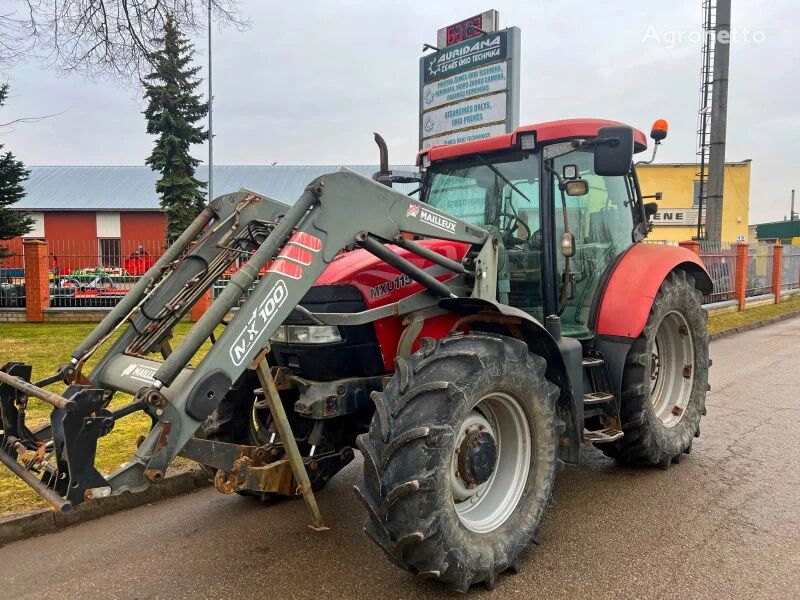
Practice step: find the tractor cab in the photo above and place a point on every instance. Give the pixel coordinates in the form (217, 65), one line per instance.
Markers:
(563, 199)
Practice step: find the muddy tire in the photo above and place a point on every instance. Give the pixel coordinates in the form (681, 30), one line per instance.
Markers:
(666, 378)
(461, 518)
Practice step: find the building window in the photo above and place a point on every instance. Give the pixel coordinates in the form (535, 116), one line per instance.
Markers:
(696, 194)
(109, 252)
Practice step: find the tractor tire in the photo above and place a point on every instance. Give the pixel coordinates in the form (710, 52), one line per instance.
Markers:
(665, 380)
(459, 393)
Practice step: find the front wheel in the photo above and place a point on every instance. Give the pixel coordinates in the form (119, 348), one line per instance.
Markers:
(665, 379)
(460, 459)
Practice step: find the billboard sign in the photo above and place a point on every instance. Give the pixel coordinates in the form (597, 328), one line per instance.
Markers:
(492, 78)
(470, 90)
(466, 55)
(478, 111)
(676, 216)
(467, 135)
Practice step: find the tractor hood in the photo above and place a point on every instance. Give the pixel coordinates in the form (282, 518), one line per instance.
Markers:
(380, 283)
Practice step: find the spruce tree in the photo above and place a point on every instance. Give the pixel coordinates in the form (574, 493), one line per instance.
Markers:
(172, 113)
(12, 175)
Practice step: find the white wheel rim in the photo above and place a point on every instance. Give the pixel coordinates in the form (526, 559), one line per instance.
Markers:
(485, 507)
(672, 369)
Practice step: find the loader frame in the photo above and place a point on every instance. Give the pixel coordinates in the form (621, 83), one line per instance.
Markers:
(285, 249)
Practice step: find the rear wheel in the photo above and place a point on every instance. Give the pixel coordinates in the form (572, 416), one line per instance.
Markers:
(666, 378)
(460, 459)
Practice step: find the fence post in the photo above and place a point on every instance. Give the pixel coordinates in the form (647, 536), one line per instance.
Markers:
(777, 270)
(692, 245)
(740, 285)
(200, 307)
(37, 284)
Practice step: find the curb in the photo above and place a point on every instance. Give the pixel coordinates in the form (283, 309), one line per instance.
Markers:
(757, 325)
(44, 521)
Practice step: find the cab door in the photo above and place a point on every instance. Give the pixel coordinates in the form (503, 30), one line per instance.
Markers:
(602, 222)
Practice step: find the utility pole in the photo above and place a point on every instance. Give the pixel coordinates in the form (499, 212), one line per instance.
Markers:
(792, 214)
(210, 116)
(719, 118)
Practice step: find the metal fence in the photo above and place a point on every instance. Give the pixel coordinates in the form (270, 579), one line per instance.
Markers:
(97, 273)
(790, 275)
(759, 269)
(720, 261)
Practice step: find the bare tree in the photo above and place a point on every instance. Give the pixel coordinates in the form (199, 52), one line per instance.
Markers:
(100, 38)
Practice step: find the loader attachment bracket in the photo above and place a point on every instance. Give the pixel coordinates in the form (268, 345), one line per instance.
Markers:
(60, 469)
(75, 434)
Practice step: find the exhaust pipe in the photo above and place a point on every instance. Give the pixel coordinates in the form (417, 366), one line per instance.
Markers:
(384, 175)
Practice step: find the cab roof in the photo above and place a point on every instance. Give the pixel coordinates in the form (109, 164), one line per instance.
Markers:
(549, 131)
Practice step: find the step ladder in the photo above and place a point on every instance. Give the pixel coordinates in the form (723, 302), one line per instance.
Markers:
(600, 403)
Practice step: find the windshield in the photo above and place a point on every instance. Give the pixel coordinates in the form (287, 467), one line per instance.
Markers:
(489, 194)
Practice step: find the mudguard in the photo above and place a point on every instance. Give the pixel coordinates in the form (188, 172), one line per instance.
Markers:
(632, 286)
(566, 374)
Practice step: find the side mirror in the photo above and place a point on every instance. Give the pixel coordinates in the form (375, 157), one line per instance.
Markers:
(567, 244)
(576, 187)
(613, 151)
(650, 209)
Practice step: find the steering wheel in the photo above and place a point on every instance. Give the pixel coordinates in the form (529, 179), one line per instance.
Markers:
(509, 239)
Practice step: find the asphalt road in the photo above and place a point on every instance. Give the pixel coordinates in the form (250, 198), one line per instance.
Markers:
(725, 523)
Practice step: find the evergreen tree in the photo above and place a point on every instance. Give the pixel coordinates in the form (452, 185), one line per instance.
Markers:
(12, 174)
(173, 110)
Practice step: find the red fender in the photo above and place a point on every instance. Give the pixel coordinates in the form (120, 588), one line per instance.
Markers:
(629, 293)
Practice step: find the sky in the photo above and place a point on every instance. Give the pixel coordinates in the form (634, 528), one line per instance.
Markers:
(308, 83)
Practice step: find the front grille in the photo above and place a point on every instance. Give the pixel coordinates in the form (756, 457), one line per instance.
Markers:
(357, 355)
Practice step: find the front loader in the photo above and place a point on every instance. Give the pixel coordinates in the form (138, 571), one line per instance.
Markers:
(467, 342)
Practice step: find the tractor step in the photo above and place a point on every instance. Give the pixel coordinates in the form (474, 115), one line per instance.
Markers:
(597, 398)
(602, 436)
(591, 362)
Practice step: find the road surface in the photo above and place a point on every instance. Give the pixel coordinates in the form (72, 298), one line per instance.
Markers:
(725, 523)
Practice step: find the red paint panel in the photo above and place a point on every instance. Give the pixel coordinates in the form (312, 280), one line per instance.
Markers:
(71, 240)
(549, 131)
(142, 229)
(634, 284)
(381, 284)
(306, 240)
(297, 254)
(287, 268)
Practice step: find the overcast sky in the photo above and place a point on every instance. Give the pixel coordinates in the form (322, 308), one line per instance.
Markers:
(308, 82)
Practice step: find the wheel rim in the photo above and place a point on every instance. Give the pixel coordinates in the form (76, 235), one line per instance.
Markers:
(486, 506)
(672, 369)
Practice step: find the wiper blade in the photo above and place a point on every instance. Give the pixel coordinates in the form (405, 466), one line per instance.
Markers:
(503, 177)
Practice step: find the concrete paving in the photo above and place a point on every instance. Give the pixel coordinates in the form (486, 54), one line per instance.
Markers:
(725, 523)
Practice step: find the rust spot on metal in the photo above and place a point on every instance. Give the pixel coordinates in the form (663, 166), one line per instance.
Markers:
(223, 483)
(163, 438)
(677, 411)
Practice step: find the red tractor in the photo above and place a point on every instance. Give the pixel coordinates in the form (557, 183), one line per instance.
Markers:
(467, 340)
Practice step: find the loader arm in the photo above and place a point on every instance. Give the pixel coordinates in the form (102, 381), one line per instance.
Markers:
(335, 211)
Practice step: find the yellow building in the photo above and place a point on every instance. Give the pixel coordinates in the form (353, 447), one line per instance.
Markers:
(676, 219)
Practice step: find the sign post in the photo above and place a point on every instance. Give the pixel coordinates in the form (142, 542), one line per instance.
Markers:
(469, 89)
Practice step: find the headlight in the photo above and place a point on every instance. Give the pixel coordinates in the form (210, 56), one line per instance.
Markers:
(307, 334)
